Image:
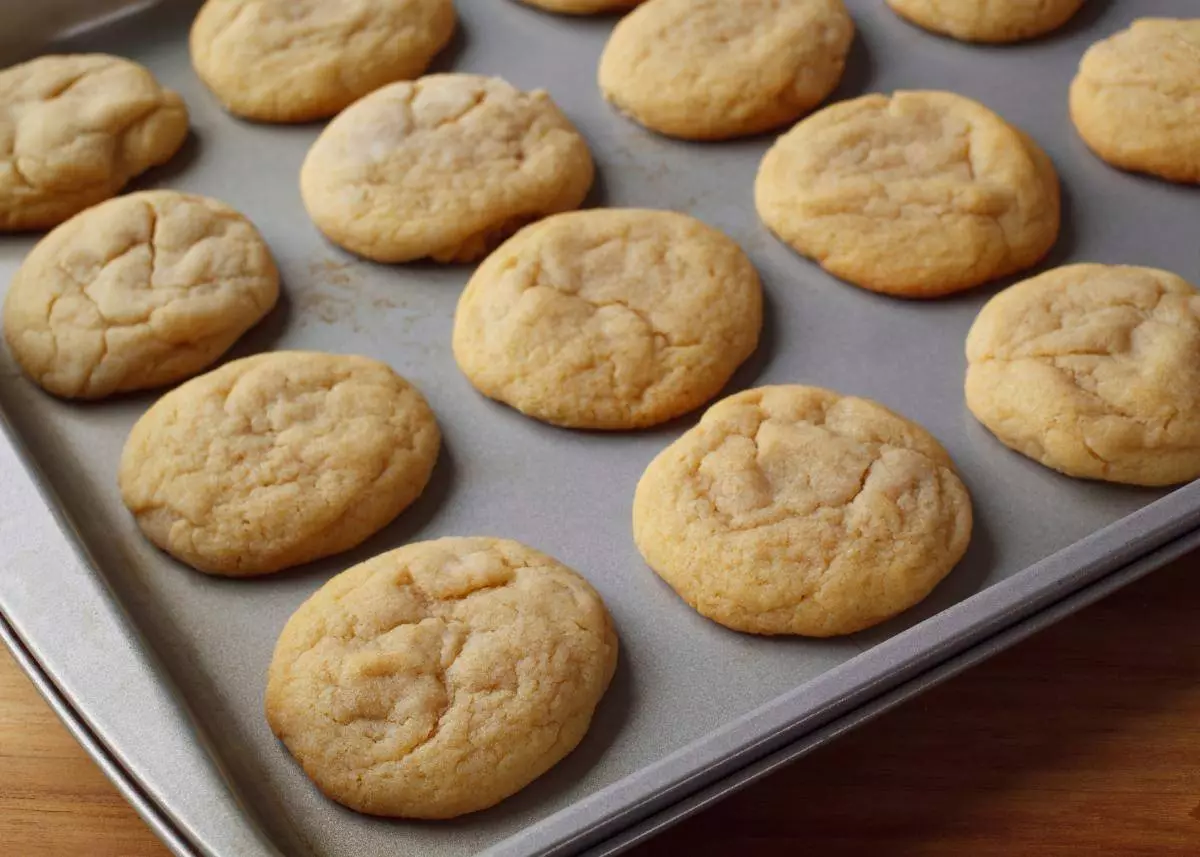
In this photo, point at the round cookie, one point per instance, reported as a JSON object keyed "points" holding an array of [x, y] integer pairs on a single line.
{"points": [[799, 510], [445, 168], [289, 61], [1134, 100], [917, 195], [796, 510], [74, 129], [583, 7], [440, 678], [701, 70], [137, 292], [276, 460], [609, 319], [1094, 371], [987, 20]]}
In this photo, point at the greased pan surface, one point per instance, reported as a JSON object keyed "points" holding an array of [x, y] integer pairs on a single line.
{"points": [[166, 666]]}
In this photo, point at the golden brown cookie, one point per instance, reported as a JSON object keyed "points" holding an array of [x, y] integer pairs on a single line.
{"points": [[1136, 98], [796, 510], [715, 69], [278, 459], [440, 678], [609, 319], [1093, 370], [137, 292], [443, 168], [299, 60], [74, 129], [583, 7], [917, 194], [988, 20]]}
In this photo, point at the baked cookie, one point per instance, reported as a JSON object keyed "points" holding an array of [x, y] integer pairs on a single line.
{"points": [[137, 292], [796, 510], [1093, 370], [1136, 98], [289, 61], [715, 69], [276, 460], [609, 319], [987, 20], [74, 129], [440, 678], [445, 167], [583, 7], [917, 194]]}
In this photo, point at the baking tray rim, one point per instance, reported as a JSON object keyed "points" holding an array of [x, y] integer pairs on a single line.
{"points": [[718, 755]]}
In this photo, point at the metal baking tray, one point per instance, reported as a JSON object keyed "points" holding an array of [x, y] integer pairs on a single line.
{"points": [[160, 670]]}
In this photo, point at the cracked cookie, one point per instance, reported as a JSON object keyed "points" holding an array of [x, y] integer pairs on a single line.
{"points": [[715, 69], [609, 319], [440, 678], [917, 194], [582, 7], [445, 168], [1136, 99], [1094, 371], [137, 292], [796, 510], [74, 129], [300, 60], [987, 20], [278, 459]]}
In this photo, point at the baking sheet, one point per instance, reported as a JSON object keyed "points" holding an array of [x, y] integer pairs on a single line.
{"points": [[167, 665]]}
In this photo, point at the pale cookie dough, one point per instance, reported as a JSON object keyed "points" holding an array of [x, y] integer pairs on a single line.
{"points": [[988, 20], [918, 194], [276, 460], [74, 129], [445, 168], [1093, 370], [1136, 99], [715, 69], [609, 319], [796, 510], [583, 7], [440, 678], [300, 60], [137, 292]]}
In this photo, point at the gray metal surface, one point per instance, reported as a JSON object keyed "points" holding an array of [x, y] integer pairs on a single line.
{"points": [[164, 667]]}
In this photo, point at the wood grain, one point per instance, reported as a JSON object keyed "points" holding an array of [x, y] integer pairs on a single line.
{"points": [[1082, 741]]}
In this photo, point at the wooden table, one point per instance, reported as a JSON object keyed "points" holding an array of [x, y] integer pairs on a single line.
{"points": [[1082, 741]]}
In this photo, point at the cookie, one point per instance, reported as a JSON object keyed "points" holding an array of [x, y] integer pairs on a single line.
{"points": [[583, 7], [443, 168], [283, 61], [917, 194], [796, 510], [1134, 100], [1094, 371], [276, 460], [440, 678], [987, 20], [74, 129], [609, 319], [137, 292], [715, 69]]}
